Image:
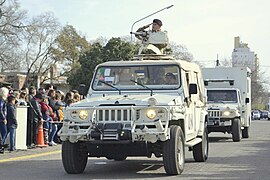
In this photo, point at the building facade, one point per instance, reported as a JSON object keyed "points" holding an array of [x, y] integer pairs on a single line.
{"points": [[243, 56]]}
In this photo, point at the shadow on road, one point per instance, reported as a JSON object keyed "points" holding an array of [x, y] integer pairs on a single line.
{"points": [[219, 139]]}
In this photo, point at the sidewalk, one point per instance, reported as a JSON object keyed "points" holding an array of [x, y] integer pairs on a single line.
{"points": [[21, 153]]}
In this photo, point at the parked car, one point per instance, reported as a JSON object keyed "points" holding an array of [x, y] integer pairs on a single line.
{"points": [[265, 114], [256, 115]]}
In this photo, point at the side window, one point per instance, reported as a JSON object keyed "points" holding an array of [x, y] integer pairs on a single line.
{"points": [[185, 82], [193, 80]]}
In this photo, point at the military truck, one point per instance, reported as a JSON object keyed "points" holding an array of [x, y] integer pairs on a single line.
{"points": [[133, 108], [229, 100]]}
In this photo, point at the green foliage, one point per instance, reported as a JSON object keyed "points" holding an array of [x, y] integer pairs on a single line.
{"points": [[114, 50], [69, 47]]}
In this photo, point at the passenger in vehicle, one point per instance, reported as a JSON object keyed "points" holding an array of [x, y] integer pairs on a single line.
{"points": [[170, 78]]}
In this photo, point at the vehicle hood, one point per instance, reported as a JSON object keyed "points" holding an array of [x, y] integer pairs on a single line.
{"points": [[221, 106], [136, 99]]}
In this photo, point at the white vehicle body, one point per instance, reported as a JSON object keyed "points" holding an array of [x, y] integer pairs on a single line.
{"points": [[130, 119], [152, 104], [229, 96]]}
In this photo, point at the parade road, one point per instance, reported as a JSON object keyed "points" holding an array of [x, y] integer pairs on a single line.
{"points": [[247, 159]]}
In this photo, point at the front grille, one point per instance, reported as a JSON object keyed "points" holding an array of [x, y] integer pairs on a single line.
{"points": [[214, 114], [119, 115]]}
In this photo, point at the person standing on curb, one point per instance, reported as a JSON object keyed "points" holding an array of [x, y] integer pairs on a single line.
{"points": [[55, 108], [35, 110], [3, 111], [11, 121]]}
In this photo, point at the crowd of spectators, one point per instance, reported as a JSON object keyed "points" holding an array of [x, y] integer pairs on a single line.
{"points": [[44, 106]]}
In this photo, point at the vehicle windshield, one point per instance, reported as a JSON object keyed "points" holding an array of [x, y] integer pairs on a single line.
{"points": [[222, 96], [137, 77]]}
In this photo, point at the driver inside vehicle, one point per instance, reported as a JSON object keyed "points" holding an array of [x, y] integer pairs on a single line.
{"points": [[170, 78]]}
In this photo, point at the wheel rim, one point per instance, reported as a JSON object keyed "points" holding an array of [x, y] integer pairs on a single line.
{"points": [[180, 153], [205, 144]]}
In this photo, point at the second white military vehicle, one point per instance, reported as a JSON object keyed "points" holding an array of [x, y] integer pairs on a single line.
{"points": [[229, 100]]}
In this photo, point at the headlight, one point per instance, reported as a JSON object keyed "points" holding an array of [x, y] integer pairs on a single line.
{"points": [[151, 114], [83, 114], [226, 113], [229, 113]]}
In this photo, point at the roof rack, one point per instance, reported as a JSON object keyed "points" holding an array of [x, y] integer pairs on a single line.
{"points": [[152, 57]]}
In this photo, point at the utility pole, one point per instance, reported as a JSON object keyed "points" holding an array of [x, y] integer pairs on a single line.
{"points": [[217, 62]]}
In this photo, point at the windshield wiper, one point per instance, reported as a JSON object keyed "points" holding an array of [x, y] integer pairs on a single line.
{"points": [[112, 86], [151, 93]]}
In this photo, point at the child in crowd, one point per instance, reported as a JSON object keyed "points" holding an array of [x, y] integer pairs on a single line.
{"points": [[11, 121], [59, 103], [48, 115]]}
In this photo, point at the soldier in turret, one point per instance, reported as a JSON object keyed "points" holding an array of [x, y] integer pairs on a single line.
{"points": [[156, 25]]}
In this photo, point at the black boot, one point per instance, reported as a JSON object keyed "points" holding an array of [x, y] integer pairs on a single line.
{"points": [[2, 150]]}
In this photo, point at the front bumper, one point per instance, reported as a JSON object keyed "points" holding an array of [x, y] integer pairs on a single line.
{"points": [[219, 122], [133, 128]]}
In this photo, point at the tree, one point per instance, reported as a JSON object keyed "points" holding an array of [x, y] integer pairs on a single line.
{"points": [[259, 95], [117, 49], [179, 52], [88, 63], [68, 48], [114, 50], [39, 38], [225, 62], [11, 28]]}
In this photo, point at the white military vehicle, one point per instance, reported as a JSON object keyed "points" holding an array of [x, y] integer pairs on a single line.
{"points": [[229, 100], [152, 104]]}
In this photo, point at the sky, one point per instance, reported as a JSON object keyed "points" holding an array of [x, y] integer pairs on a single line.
{"points": [[205, 27]]}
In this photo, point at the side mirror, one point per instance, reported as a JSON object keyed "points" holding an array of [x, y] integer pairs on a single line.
{"points": [[193, 89], [82, 89], [247, 100]]}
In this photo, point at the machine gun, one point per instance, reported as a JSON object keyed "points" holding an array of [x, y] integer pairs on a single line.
{"points": [[154, 41]]}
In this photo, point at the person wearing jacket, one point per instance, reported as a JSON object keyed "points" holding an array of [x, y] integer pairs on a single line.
{"points": [[3, 121], [11, 121], [48, 116], [55, 108], [35, 111]]}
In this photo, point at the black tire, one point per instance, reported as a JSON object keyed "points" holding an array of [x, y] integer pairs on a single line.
{"points": [[120, 158], [74, 157], [200, 151], [174, 152], [245, 132], [117, 157], [236, 130], [109, 157]]}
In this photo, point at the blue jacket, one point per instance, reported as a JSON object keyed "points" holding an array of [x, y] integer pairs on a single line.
{"points": [[3, 110]]}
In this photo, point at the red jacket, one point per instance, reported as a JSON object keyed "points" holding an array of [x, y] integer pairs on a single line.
{"points": [[45, 107]]}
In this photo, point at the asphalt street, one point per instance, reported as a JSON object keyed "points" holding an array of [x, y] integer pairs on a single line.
{"points": [[248, 159]]}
